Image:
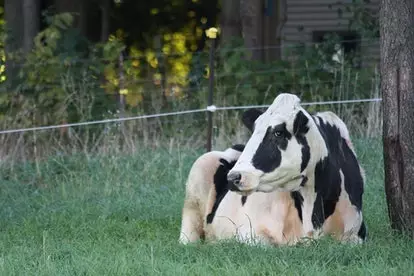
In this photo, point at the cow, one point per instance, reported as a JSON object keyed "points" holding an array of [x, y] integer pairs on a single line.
{"points": [[312, 158], [212, 212]]}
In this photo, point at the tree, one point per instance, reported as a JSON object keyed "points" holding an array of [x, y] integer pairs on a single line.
{"points": [[31, 22], [22, 25], [230, 20], [251, 14], [105, 6], [14, 28], [78, 10], [275, 16], [261, 23], [397, 84]]}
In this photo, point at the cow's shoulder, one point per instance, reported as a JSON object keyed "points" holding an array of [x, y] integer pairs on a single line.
{"points": [[341, 158], [332, 127]]}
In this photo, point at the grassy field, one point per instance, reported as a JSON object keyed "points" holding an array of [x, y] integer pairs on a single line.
{"points": [[121, 216]]}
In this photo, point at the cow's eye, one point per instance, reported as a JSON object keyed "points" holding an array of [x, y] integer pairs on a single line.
{"points": [[278, 133]]}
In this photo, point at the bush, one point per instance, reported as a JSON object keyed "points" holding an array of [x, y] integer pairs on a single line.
{"points": [[68, 79]]}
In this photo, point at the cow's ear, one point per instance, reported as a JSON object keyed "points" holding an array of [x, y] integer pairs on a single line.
{"points": [[249, 116], [300, 125]]}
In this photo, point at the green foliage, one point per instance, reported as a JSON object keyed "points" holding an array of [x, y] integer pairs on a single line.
{"points": [[59, 79], [142, 20], [309, 71], [66, 78], [365, 21]]}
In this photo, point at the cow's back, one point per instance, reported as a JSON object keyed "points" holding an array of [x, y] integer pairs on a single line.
{"points": [[200, 180]]}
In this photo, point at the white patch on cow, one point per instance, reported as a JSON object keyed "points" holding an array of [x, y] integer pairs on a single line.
{"points": [[309, 197], [234, 222], [352, 217], [261, 221]]}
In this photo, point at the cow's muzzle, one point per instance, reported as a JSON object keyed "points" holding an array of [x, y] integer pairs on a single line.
{"points": [[233, 180], [241, 182]]}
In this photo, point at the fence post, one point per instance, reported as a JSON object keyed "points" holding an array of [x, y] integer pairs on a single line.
{"points": [[212, 35], [122, 92]]}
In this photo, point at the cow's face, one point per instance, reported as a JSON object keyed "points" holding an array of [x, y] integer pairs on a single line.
{"points": [[278, 153]]}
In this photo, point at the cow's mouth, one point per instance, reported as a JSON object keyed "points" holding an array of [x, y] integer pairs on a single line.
{"points": [[247, 192], [243, 192], [280, 183], [282, 179]]}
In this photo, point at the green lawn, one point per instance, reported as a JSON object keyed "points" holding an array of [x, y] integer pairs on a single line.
{"points": [[121, 216]]}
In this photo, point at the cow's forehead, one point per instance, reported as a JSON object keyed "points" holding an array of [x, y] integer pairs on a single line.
{"points": [[277, 114], [270, 119]]}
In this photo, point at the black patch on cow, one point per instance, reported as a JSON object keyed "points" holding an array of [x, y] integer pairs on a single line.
{"points": [[354, 183], [327, 177], [327, 188], [362, 233], [243, 200], [322, 209], [305, 151], [249, 117], [238, 147], [298, 199], [300, 128], [304, 180], [318, 217], [268, 156], [221, 186]]}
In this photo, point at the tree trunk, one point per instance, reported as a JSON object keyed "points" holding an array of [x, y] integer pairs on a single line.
{"points": [[230, 22], [14, 27], [397, 84], [78, 10], [275, 17], [31, 18], [251, 14], [105, 8]]}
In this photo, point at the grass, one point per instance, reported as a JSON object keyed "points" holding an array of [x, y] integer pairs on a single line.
{"points": [[120, 215]]}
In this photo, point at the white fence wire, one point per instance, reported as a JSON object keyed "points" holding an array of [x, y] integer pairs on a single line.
{"points": [[211, 108]]}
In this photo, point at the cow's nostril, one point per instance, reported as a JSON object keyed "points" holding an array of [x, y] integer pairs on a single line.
{"points": [[234, 178]]}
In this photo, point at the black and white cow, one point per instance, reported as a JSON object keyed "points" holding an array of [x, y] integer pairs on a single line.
{"points": [[212, 212], [310, 156]]}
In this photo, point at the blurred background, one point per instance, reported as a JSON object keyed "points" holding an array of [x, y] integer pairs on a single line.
{"points": [[69, 61]]}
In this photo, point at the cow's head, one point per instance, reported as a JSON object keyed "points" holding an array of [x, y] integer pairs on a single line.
{"points": [[284, 147]]}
